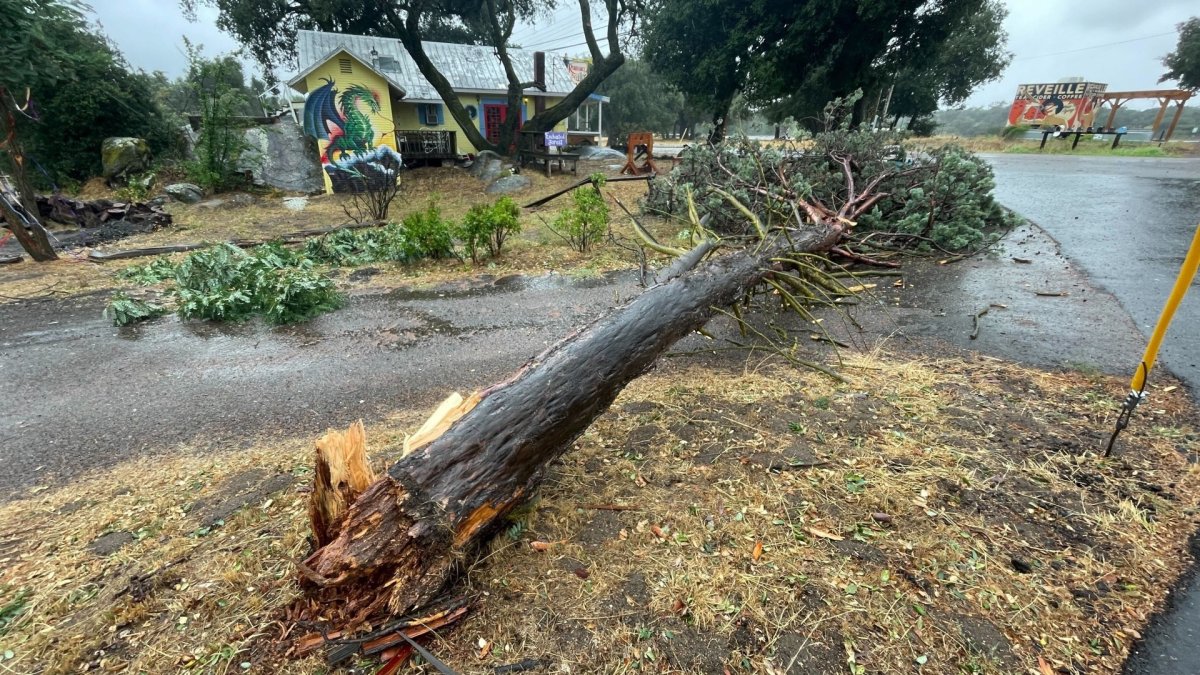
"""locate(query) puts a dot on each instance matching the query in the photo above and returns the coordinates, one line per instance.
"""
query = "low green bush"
(584, 223)
(488, 226)
(430, 234)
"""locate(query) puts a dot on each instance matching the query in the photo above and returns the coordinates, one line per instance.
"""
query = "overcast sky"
(1118, 42)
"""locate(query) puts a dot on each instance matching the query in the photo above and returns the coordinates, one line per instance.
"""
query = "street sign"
(556, 139)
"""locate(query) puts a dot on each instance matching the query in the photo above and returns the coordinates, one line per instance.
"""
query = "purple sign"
(556, 139)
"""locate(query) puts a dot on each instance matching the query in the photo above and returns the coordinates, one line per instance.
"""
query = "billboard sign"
(1070, 105)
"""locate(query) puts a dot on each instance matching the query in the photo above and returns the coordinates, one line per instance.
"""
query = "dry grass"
(536, 250)
(1086, 146)
(1005, 538)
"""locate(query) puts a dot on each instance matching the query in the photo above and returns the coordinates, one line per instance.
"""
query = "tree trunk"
(24, 224)
(408, 28)
(720, 121)
(405, 536)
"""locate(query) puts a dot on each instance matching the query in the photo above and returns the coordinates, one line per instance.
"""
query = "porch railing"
(426, 144)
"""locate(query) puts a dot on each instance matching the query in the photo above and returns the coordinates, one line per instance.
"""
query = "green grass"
(1089, 147)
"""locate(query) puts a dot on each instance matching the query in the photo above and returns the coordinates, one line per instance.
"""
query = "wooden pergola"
(1116, 99)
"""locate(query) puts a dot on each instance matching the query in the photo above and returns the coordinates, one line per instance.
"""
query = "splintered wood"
(342, 473)
(449, 412)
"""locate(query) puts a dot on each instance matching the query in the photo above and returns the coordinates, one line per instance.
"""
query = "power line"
(567, 29)
(1084, 49)
(570, 36)
(578, 44)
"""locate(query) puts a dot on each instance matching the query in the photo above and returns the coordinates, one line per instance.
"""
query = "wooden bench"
(531, 147)
(551, 158)
(1078, 133)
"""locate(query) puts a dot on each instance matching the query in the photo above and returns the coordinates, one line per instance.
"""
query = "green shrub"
(432, 236)
(585, 223)
(221, 140)
(487, 226)
(225, 283)
(124, 310)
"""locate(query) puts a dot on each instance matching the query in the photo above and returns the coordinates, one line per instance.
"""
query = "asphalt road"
(80, 394)
(1127, 223)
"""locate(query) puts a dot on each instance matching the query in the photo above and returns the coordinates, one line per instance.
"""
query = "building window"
(430, 114)
(344, 65)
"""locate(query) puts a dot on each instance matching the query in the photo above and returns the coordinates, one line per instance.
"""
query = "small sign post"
(556, 139)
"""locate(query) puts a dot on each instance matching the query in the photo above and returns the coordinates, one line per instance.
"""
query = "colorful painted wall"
(348, 110)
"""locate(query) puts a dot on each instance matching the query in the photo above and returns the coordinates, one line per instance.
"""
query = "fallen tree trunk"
(403, 537)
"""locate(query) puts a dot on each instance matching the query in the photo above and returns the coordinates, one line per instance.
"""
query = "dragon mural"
(342, 123)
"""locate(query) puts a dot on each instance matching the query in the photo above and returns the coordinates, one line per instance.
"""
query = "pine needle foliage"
(225, 283)
(123, 310)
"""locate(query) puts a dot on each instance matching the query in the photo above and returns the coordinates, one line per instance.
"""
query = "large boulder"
(488, 166)
(123, 156)
(507, 184)
(184, 192)
(280, 156)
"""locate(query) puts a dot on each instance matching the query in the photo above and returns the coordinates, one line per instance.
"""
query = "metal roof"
(469, 68)
(298, 83)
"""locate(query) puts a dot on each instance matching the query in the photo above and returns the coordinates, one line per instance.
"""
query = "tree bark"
(720, 120)
(26, 226)
(404, 536)
(408, 30)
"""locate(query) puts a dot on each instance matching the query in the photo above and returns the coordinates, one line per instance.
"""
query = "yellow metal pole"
(1182, 282)
(1138, 383)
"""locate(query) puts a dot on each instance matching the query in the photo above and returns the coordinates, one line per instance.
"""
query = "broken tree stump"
(342, 473)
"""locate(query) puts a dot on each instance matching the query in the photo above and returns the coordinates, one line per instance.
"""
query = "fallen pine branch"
(289, 238)
(581, 183)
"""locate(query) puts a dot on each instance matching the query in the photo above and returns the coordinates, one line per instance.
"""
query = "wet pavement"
(1126, 222)
(1040, 308)
(81, 394)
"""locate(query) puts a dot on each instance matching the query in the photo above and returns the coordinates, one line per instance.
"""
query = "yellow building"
(365, 97)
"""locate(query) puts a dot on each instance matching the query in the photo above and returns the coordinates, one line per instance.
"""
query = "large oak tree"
(268, 28)
(789, 57)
